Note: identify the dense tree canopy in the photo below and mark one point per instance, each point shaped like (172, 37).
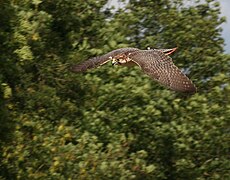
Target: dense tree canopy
(111, 122)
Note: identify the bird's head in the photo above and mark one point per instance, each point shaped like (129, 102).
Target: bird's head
(119, 59)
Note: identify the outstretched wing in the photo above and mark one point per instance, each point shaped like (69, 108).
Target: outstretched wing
(161, 68)
(100, 60)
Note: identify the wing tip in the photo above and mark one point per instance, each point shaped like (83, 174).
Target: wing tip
(190, 90)
(77, 69)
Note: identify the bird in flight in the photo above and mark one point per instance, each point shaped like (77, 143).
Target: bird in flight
(154, 62)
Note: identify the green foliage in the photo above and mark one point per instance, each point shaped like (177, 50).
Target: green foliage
(111, 122)
(64, 152)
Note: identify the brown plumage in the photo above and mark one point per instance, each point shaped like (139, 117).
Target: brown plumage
(154, 62)
(99, 60)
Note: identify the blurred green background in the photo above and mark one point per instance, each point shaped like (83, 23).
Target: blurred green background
(111, 122)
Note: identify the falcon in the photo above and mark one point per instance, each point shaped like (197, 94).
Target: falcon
(156, 63)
